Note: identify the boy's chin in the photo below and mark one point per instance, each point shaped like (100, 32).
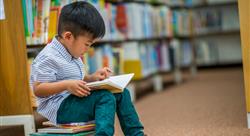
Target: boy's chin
(77, 56)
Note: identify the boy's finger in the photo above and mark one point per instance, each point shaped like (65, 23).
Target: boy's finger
(105, 73)
(85, 91)
(83, 86)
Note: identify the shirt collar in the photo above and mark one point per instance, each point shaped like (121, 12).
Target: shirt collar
(63, 51)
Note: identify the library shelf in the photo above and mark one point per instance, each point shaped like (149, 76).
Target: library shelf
(209, 33)
(114, 41)
(205, 5)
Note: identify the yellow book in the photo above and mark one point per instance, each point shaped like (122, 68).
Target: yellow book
(133, 66)
(115, 84)
(53, 20)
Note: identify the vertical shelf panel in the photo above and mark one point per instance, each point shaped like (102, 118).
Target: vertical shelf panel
(14, 87)
(244, 13)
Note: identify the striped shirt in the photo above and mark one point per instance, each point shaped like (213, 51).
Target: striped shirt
(52, 64)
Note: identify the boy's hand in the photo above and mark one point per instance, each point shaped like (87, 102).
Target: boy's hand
(102, 73)
(78, 88)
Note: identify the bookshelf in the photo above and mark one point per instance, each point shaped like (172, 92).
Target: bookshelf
(14, 94)
(112, 41)
(244, 11)
(217, 33)
(206, 5)
(212, 32)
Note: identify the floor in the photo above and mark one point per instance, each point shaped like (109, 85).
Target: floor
(210, 104)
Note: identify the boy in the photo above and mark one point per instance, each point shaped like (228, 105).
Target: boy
(58, 80)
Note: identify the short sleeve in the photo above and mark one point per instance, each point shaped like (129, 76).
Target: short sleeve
(44, 70)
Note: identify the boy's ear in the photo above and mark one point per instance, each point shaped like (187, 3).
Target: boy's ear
(67, 35)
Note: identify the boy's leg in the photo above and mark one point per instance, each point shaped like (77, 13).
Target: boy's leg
(129, 120)
(105, 113)
(99, 106)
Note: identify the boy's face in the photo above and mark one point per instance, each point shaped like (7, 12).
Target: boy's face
(79, 45)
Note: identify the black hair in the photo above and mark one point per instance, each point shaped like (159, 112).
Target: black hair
(81, 18)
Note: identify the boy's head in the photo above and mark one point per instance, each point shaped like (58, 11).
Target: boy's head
(80, 24)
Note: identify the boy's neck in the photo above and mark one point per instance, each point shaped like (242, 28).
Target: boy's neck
(63, 44)
(61, 41)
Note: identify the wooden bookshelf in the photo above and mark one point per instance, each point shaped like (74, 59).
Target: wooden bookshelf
(244, 11)
(15, 103)
(14, 96)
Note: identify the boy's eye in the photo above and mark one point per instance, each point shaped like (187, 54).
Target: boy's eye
(88, 45)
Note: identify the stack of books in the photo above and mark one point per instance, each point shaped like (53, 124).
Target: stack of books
(71, 129)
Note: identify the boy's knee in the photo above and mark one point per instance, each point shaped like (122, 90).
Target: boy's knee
(105, 94)
(126, 92)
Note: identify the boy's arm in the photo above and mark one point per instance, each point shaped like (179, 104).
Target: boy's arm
(76, 87)
(89, 78)
(98, 75)
(47, 89)
(44, 81)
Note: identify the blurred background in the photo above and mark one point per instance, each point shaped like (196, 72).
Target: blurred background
(186, 56)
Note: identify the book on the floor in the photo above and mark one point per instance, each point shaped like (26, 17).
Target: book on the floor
(76, 124)
(115, 84)
(87, 133)
(67, 128)
(73, 124)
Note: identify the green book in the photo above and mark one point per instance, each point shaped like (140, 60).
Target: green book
(24, 9)
(89, 133)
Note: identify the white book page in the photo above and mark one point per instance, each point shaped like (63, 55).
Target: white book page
(121, 80)
(97, 83)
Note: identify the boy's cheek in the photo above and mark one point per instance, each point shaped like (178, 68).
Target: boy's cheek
(86, 49)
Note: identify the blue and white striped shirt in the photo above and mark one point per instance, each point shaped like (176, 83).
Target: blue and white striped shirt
(53, 64)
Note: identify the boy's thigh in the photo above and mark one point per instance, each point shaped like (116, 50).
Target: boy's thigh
(80, 109)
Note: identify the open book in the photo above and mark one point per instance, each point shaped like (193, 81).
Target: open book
(115, 84)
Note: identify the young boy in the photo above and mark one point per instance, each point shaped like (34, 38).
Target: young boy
(58, 80)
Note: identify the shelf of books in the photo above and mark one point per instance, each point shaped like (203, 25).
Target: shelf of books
(200, 4)
(153, 39)
(212, 21)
